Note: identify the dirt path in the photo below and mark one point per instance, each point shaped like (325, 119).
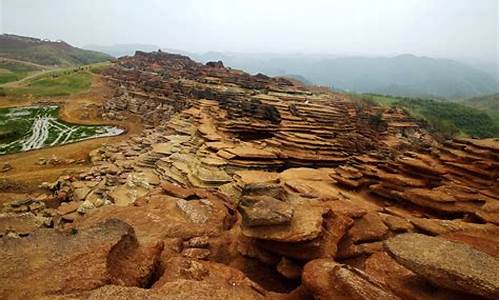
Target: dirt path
(26, 174)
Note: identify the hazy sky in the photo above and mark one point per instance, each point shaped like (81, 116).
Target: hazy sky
(443, 28)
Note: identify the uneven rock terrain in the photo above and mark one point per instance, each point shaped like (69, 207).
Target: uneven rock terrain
(251, 187)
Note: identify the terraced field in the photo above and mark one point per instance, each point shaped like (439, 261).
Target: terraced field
(35, 127)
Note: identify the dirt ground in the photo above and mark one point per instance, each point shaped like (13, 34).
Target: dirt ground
(26, 174)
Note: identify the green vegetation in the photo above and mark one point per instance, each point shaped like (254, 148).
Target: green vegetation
(98, 67)
(488, 104)
(7, 76)
(47, 53)
(22, 56)
(55, 83)
(446, 118)
(18, 66)
(15, 70)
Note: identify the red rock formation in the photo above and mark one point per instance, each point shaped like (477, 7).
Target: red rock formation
(259, 187)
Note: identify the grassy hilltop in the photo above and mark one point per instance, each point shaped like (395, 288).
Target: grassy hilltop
(21, 56)
(47, 53)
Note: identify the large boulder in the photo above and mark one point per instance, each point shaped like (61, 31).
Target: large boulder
(404, 283)
(49, 262)
(447, 264)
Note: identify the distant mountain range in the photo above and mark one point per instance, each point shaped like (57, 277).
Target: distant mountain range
(402, 75)
(45, 52)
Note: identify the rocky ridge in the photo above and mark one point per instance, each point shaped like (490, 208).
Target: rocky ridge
(251, 187)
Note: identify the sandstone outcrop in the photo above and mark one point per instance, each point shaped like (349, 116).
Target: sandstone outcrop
(255, 187)
(49, 263)
(447, 264)
(329, 280)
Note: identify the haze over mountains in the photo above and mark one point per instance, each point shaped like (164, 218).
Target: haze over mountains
(400, 75)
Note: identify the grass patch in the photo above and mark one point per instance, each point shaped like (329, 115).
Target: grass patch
(13, 71)
(99, 67)
(47, 53)
(58, 83)
(452, 118)
(7, 76)
(16, 66)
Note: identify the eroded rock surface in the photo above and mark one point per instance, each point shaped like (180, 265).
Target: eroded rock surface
(255, 187)
(448, 264)
(329, 280)
(49, 263)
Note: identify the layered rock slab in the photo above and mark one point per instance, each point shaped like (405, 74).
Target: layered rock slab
(447, 264)
(263, 210)
(305, 225)
(327, 280)
(404, 283)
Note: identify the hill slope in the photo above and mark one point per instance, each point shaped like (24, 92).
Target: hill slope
(403, 75)
(46, 53)
(444, 117)
(488, 104)
(13, 70)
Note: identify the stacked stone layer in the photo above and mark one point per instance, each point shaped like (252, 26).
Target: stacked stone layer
(251, 187)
